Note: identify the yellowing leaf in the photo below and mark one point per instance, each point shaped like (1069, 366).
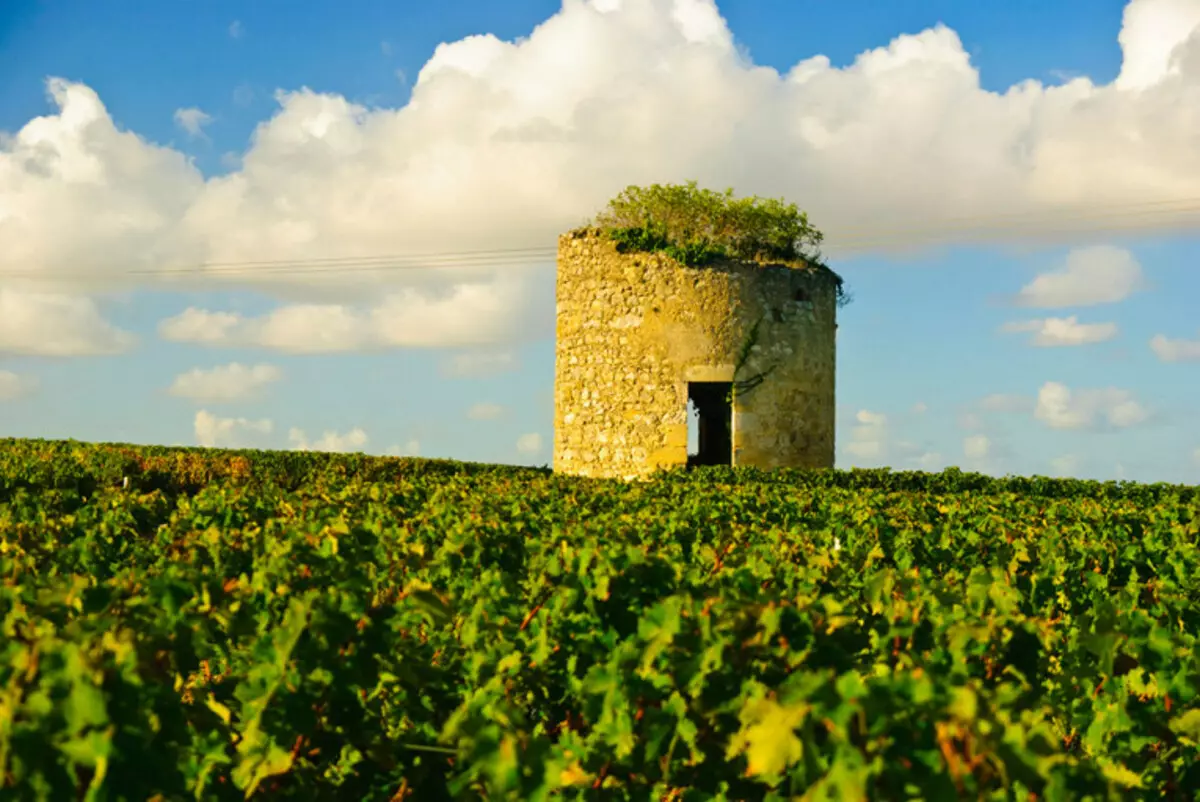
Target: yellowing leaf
(768, 737)
(1120, 775)
(573, 775)
(508, 662)
(1188, 725)
(964, 704)
(218, 708)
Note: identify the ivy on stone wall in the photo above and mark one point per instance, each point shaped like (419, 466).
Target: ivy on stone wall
(742, 387)
(698, 226)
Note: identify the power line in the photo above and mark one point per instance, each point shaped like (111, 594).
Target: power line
(384, 262)
(1027, 223)
(1141, 207)
(1033, 223)
(464, 256)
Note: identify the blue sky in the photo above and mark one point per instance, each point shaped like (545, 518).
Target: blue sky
(397, 150)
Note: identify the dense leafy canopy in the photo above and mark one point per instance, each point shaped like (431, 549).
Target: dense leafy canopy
(216, 625)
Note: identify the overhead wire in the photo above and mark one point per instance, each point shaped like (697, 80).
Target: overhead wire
(1037, 224)
(1048, 223)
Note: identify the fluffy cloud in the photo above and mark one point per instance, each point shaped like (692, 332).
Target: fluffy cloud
(1169, 350)
(868, 440)
(1061, 408)
(43, 324)
(1062, 331)
(199, 326)
(1100, 274)
(872, 441)
(928, 461)
(224, 383)
(1005, 403)
(469, 314)
(979, 416)
(977, 447)
(1065, 465)
(530, 443)
(984, 454)
(505, 144)
(192, 121)
(85, 202)
(1155, 40)
(485, 411)
(352, 440)
(215, 432)
(410, 449)
(477, 364)
(13, 385)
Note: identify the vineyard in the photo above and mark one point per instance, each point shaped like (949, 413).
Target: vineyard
(191, 624)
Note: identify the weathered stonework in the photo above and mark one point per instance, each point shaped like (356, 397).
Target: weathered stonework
(633, 329)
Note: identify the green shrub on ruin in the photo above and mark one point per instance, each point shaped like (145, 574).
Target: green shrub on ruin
(698, 226)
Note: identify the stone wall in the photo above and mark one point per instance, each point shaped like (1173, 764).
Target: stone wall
(633, 329)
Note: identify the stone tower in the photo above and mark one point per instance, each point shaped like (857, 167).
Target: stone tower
(639, 335)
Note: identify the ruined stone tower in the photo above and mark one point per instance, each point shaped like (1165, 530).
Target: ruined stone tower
(639, 335)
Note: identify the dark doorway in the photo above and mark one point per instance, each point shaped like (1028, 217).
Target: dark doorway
(713, 419)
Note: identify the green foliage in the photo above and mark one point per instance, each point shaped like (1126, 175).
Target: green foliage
(229, 625)
(698, 226)
(703, 225)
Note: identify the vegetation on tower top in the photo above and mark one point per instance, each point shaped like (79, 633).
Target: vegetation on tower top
(698, 226)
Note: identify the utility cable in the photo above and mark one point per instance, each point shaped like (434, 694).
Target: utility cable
(1040, 224)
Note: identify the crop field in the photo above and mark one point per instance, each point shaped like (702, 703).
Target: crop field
(191, 624)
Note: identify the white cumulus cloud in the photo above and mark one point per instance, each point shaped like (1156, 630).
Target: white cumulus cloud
(470, 314)
(1175, 350)
(983, 454)
(504, 144)
(1156, 39)
(485, 411)
(1061, 408)
(411, 448)
(977, 447)
(478, 364)
(875, 440)
(1061, 331)
(224, 383)
(14, 385)
(868, 439)
(351, 441)
(216, 432)
(199, 326)
(928, 461)
(1005, 403)
(530, 443)
(42, 324)
(86, 202)
(1065, 465)
(192, 121)
(1098, 274)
